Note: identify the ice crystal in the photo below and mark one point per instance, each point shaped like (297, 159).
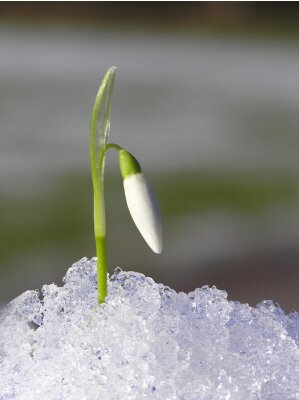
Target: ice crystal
(145, 342)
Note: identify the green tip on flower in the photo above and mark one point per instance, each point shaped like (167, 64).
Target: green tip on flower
(128, 164)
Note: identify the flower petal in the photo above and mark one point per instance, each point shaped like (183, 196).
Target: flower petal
(144, 208)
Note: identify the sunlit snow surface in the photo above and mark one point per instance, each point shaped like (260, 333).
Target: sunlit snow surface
(146, 342)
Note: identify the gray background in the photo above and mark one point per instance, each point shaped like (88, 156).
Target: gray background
(209, 109)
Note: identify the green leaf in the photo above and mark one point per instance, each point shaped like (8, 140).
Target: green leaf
(100, 119)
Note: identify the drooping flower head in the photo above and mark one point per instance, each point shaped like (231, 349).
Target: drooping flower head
(142, 201)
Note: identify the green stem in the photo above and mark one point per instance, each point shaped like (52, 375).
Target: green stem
(100, 223)
(99, 132)
(101, 268)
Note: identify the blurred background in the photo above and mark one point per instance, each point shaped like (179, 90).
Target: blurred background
(206, 97)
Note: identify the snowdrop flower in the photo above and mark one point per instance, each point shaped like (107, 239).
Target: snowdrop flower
(142, 201)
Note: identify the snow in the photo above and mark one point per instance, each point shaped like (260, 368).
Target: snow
(145, 342)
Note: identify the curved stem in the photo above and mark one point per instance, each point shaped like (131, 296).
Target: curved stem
(100, 223)
(112, 146)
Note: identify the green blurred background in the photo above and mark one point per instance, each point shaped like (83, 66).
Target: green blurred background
(206, 97)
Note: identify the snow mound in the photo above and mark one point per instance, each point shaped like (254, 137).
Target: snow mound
(145, 342)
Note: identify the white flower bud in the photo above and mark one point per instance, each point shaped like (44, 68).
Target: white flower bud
(144, 208)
